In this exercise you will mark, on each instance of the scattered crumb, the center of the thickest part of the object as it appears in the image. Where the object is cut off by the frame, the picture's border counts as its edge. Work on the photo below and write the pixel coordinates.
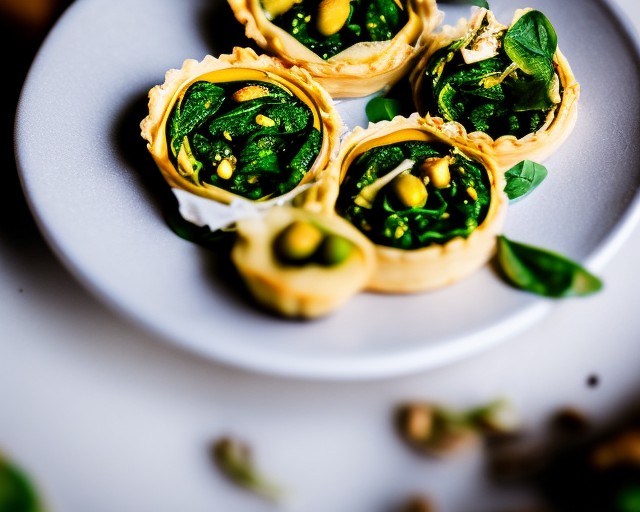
(417, 503)
(570, 420)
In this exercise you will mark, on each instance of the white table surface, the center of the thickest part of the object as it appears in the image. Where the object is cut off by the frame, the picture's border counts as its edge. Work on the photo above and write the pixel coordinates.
(108, 419)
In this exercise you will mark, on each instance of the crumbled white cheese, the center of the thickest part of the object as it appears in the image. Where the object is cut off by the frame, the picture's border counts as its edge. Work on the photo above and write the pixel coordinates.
(486, 43)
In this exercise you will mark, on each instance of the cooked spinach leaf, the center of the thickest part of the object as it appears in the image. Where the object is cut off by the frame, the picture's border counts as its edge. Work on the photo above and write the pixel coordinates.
(302, 161)
(249, 144)
(523, 177)
(199, 103)
(289, 118)
(377, 20)
(543, 272)
(234, 460)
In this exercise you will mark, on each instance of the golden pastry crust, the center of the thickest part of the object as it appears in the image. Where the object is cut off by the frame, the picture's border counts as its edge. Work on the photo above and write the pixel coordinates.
(508, 150)
(307, 291)
(242, 64)
(436, 265)
(360, 70)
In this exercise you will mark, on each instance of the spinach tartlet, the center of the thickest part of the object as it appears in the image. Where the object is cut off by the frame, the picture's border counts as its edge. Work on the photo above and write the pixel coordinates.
(432, 204)
(352, 47)
(509, 87)
(302, 262)
(239, 127)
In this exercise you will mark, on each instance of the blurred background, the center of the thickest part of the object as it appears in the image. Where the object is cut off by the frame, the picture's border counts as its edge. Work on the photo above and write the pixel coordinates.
(568, 482)
(30, 17)
(23, 26)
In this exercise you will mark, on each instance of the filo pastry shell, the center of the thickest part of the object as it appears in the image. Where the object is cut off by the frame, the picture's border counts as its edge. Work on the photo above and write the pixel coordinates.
(508, 150)
(360, 70)
(299, 291)
(241, 65)
(438, 264)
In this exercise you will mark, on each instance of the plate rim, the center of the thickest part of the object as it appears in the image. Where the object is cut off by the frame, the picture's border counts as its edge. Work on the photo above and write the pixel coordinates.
(376, 366)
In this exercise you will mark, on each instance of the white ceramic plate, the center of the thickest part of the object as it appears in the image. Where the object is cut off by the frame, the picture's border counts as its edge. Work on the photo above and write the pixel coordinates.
(91, 187)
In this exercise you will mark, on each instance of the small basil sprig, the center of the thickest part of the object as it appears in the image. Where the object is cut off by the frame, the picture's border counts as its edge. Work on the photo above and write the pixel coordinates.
(382, 109)
(627, 499)
(17, 493)
(234, 460)
(544, 272)
(531, 43)
(523, 177)
(433, 429)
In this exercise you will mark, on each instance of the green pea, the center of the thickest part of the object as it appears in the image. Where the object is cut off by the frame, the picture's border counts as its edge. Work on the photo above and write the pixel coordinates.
(335, 249)
(296, 243)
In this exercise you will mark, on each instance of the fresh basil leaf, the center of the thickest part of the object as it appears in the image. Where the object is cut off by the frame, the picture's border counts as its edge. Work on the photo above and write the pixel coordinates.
(17, 492)
(473, 75)
(240, 121)
(289, 118)
(382, 109)
(543, 272)
(523, 177)
(260, 154)
(531, 43)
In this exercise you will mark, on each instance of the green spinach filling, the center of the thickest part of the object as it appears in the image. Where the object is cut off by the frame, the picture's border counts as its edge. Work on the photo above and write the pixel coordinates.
(452, 208)
(509, 93)
(377, 20)
(254, 139)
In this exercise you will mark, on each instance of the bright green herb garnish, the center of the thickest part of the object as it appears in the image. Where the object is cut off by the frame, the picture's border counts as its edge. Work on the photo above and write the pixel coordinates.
(382, 109)
(509, 93)
(233, 458)
(523, 177)
(17, 493)
(531, 43)
(455, 205)
(628, 499)
(544, 272)
(255, 146)
(377, 20)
